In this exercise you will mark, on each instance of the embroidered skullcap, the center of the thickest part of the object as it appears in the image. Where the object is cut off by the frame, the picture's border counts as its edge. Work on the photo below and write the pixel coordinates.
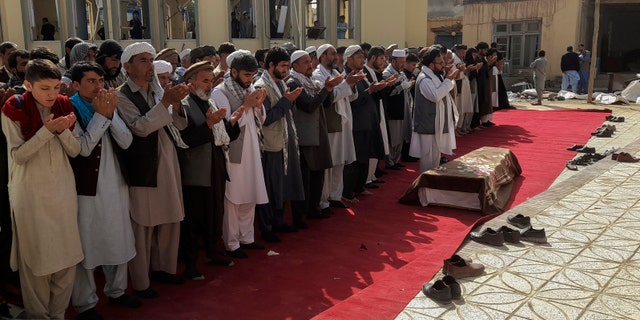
(297, 55)
(392, 47)
(109, 48)
(351, 50)
(323, 48)
(184, 53)
(161, 66)
(137, 48)
(197, 67)
(311, 49)
(237, 54)
(398, 53)
(166, 53)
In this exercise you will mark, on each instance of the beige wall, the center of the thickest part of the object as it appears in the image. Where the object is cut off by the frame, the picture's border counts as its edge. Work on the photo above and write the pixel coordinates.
(560, 23)
(12, 17)
(403, 22)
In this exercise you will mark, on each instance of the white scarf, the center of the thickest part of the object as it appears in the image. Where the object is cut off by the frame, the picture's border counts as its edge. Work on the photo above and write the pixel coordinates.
(236, 90)
(446, 141)
(312, 87)
(343, 109)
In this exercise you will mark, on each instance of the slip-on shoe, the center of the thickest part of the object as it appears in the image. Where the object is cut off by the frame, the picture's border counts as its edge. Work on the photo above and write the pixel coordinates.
(438, 291)
(533, 235)
(575, 147)
(488, 236)
(586, 149)
(519, 221)
(510, 235)
(456, 290)
(458, 267)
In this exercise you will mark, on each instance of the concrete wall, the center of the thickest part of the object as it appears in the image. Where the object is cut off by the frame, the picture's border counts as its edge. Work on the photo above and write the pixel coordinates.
(404, 22)
(440, 22)
(560, 24)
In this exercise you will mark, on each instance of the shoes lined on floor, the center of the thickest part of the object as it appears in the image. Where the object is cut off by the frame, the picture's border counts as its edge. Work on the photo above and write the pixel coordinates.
(519, 221)
(488, 236)
(533, 235)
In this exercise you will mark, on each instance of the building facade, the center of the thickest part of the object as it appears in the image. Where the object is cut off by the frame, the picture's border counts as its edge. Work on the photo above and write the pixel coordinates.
(250, 24)
(522, 27)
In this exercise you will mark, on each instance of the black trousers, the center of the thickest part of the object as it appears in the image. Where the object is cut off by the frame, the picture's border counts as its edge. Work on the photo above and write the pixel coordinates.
(312, 180)
(354, 178)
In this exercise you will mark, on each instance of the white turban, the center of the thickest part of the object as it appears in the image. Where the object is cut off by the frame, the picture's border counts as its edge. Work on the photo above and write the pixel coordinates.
(351, 50)
(161, 66)
(297, 55)
(237, 54)
(323, 48)
(136, 48)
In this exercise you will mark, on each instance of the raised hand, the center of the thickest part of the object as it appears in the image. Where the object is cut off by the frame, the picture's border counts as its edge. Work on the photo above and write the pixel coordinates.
(293, 95)
(354, 77)
(105, 102)
(331, 83)
(453, 74)
(5, 95)
(377, 86)
(173, 95)
(215, 117)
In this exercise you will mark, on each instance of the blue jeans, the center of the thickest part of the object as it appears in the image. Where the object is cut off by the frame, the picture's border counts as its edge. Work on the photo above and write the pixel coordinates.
(583, 83)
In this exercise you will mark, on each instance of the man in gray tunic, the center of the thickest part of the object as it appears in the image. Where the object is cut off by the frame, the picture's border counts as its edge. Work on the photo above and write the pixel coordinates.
(539, 67)
(155, 187)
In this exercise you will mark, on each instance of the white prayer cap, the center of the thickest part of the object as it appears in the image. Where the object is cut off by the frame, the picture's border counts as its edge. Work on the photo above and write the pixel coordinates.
(161, 66)
(392, 47)
(311, 49)
(237, 54)
(136, 48)
(399, 53)
(298, 54)
(323, 48)
(185, 53)
(351, 50)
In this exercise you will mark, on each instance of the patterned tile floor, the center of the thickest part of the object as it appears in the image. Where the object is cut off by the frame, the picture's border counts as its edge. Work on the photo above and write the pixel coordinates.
(590, 267)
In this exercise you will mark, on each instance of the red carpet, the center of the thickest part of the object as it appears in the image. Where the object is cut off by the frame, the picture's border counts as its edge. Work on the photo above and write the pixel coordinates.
(369, 261)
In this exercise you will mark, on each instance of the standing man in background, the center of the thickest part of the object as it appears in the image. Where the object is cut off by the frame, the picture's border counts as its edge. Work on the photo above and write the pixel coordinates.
(539, 67)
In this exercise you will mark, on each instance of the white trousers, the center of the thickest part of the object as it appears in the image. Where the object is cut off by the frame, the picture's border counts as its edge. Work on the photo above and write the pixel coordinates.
(373, 165)
(237, 224)
(84, 295)
(333, 185)
(45, 297)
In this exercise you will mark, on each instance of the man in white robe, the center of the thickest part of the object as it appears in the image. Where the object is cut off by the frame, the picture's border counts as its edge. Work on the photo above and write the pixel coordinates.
(434, 112)
(246, 186)
(103, 197)
(343, 151)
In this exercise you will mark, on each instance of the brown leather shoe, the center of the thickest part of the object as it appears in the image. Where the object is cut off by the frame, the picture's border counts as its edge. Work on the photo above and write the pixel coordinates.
(459, 268)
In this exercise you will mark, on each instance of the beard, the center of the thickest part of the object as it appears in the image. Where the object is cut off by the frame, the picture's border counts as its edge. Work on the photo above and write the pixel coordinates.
(203, 94)
(242, 84)
(280, 76)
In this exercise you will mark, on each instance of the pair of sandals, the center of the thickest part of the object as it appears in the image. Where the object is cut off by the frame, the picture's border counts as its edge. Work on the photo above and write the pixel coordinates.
(613, 118)
(584, 160)
(582, 149)
(624, 157)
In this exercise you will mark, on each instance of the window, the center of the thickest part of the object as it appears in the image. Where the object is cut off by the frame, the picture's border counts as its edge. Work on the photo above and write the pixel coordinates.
(242, 18)
(346, 19)
(180, 19)
(315, 19)
(89, 19)
(134, 19)
(518, 41)
(43, 19)
(279, 17)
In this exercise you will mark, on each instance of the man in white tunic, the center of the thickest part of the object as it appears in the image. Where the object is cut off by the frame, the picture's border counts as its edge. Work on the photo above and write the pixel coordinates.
(155, 187)
(103, 195)
(246, 186)
(339, 125)
(434, 112)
